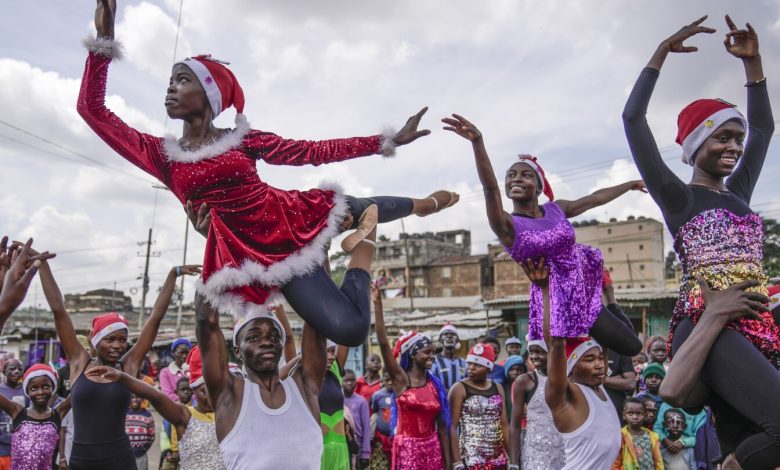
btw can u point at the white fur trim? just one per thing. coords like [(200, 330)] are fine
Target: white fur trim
[(106, 47), (576, 355), (450, 328), (197, 383), (207, 81), (232, 139), (116, 326), (696, 138), (535, 166), (537, 342), (39, 373), (298, 264), (254, 314), (388, 144), (480, 360)]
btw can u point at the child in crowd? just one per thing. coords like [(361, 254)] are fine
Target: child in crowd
[(651, 412), (676, 456), (658, 351), (514, 367), (371, 381), (640, 448), (169, 442), (381, 408), (139, 426), (361, 426), (691, 426), (639, 361), (653, 374), (12, 390)]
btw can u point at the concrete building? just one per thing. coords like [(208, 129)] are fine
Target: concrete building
[(459, 276), (99, 300), (508, 277)]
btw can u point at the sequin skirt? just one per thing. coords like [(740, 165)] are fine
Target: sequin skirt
[(417, 453)]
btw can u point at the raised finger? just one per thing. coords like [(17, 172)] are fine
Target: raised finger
[(24, 253), (202, 210), (540, 263), (451, 121), (30, 273), (750, 29), (4, 244), (730, 23), (738, 33), (689, 49), (704, 29), (699, 21), (420, 113), (422, 133), (461, 118)]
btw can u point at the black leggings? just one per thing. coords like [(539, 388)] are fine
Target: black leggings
[(342, 314), (614, 330), (742, 380)]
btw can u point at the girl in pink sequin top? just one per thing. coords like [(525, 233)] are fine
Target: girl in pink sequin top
[(262, 242), (536, 231)]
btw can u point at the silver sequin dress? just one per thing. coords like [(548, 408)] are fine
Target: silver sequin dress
[(543, 447), (199, 449)]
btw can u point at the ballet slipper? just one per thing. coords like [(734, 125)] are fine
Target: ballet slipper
[(366, 223), (453, 199)]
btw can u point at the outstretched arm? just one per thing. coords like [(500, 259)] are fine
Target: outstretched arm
[(500, 222), (175, 413), (10, 407), (218, 379), (397, 375), (599, 198), (135, 356)]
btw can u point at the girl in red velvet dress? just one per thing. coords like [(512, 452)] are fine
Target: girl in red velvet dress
[(262, 242)]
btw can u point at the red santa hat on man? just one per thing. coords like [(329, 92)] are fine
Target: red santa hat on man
[(482, 354), (221, 86), (576, 348), (39, 370), (408, 340), (104, 325), (699, 120), (195, 367), (544, 185)]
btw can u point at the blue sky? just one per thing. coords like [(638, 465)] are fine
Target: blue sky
[(547, 78)]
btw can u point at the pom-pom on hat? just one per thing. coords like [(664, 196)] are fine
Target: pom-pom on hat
[(254, 314), (104, 325), (699, 120), (774, 297), (39, 370), (532, 161), (406, 341), (195, 366), (221, 86), (654, 368), (482, 354), (448, 328), (575, 348)]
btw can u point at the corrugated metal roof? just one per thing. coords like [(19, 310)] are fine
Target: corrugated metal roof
[(624, 294)]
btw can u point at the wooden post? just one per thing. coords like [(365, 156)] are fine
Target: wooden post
[(644, 323)]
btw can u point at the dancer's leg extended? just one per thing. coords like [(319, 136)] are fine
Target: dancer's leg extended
[(613, 330), (393, 207)]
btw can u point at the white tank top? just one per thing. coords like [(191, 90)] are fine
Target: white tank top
[(265, 438), (596, 443)]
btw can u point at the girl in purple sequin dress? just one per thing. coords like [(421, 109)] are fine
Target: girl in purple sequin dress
[(534, 232), (35, 432)]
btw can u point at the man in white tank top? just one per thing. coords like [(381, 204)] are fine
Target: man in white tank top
[(582, 411), (262, 422)]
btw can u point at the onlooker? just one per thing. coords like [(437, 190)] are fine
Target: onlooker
[(139, 426), (640, 448), (381, 409), (651, 412), (497, 374), (514, 367), (658, 351), (676, 455), (447, 365), (687, 438), (170, 375), (371, 381), (513, 346), (169, 440), (639, 361), (13, 390), (653, 374), (358, 406), (620, 381)]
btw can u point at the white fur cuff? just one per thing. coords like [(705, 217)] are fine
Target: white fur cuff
[(106, 47), (388, 144)]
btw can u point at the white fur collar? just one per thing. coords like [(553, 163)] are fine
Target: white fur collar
[(230, 140)]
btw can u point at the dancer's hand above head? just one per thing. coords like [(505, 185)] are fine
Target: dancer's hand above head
[(201, 220), (105, 14), (734, 302), (538, 273), (22, 264), (409, 132), (108, 374), (741, 43), (674, 43), (188, 270), (638, 185), (463, 127)]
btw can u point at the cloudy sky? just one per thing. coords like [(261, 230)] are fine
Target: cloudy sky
[(548, 78)]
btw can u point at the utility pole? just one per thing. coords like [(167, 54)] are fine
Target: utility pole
[(630, 272), (145, 277), (409, 284), (181, 283)]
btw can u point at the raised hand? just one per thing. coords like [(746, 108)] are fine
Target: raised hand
[(201, 220), (105, 14), (741, 43), (674, 43), (107, 374), (638, 185), (734, 302), (461, 126), (23, 267), (5, 260), (189, 270), (409, 132), (538, 273)]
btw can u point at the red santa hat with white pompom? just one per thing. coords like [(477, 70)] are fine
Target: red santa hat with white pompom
[(699, 120), (221, 86)]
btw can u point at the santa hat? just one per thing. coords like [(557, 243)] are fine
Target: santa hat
[(195, 363), (545, 187), (406, 341), (774, 297), (536, 342), (513, 340), (39, 370), (254, 314), (482, 354), (448, 328), (221, 86), (104, 325), (699, 120), (234, 368), (575, 348)]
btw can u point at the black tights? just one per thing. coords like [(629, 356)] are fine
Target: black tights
[(743, 383), (614, 330), (342, 314)]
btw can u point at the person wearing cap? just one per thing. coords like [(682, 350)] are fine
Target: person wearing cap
[(420, 413), (213, 173), (195, 425), (513, 346), (447, 366), (35, 429), (479, 431), (262, 421), (653, 375), (99, 407), (170, 375), (717, 236), (534, 231)]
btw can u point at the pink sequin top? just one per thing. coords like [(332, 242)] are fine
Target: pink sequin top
[(575, 273), (260, 236)]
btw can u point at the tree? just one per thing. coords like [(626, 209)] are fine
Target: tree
[(338, 266), (771, 247)]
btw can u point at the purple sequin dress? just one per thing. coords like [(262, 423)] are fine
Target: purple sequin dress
[(33, 441), (576, 273)]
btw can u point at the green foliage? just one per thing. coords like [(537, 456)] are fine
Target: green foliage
[(771, 247)]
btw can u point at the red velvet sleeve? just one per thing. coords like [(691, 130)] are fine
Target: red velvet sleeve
[(142, 150), (278, 151)]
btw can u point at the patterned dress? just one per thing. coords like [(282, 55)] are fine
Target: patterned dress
[(34, 441), (543, 444), (198, 448), (416, 443), (481, 437)]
